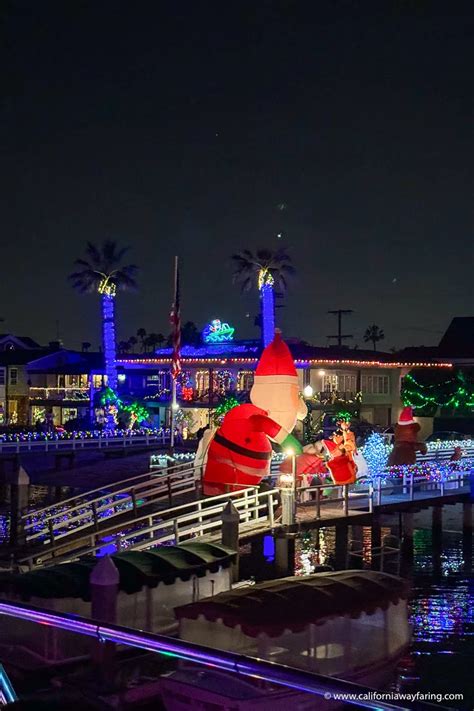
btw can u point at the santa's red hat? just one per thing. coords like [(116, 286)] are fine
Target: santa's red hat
[(406, 417), (276, 363)]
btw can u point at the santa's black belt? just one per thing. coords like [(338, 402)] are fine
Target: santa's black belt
[(240, 450)]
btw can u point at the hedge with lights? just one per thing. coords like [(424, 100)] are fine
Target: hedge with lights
[(426, 391)]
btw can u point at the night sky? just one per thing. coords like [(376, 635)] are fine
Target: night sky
[(201, 128)]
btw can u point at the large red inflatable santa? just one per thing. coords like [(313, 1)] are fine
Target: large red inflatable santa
[(240, 452)]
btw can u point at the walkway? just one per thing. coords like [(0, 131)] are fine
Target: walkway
[(260, 512)]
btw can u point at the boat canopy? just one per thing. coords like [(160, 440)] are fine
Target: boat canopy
[(294, 603), (137, 569)]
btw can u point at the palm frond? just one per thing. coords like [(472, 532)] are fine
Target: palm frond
[(103, 262), (93, 253)]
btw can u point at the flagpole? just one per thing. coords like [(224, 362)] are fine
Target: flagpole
[(174, 404)]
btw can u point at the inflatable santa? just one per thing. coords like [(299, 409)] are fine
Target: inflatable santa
[(406, 444), (334, 458), (240, 452)]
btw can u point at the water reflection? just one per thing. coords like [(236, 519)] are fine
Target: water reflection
[(441, 656)]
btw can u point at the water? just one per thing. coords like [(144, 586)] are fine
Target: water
[(440, 659)]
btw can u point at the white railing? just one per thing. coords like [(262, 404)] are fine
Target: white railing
[(176, 524), (83, 515), (101, 441), (67, 518), (377, 493)]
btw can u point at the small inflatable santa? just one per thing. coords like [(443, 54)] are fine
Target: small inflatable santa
[(406, 444), (239, 454)]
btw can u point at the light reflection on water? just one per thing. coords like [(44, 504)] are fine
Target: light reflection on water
[(441, 656)]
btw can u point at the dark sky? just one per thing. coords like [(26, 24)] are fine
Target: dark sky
[(181, 126)]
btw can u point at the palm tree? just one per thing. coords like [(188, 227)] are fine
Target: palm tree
[(133, 340), (160, 339), (373, 334), (190, 334), (151, 340), (102, 271), (269, 271), (141, 333), (124, 347)]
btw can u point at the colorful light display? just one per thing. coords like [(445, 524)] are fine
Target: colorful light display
[(268, 312), (299, 362), (375, 452), (109, 338), (223, 408), (453, 392), (218, 332)]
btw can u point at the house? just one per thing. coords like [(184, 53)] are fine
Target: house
[(15, 353), (63, 383), (9, 342), (340, 378)]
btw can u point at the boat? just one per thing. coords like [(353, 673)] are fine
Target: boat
[(352, 625)]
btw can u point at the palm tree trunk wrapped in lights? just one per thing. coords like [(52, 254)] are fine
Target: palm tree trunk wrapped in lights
[(269, 271), (101, 272), (109, 340), (265, 286)]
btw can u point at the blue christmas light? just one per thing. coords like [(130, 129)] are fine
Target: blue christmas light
[(109, 339), (376, 453), (268, 313)]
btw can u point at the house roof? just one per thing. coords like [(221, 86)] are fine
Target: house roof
[(458, 341), (137, 569), (293, 603), (66, 361), (26, 341), (20, 356)]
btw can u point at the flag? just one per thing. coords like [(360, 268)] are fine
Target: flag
[(175, 318)]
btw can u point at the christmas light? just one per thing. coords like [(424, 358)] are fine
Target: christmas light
[(428, 397), (265, 278), (109, 339), (107, 287), (268, 313), (218, 332), (223, 408), (299, 362), (375, 452)]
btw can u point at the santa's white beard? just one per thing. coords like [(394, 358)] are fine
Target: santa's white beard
[(281, 401)]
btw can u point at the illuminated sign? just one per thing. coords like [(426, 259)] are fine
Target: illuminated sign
[(218, 332)]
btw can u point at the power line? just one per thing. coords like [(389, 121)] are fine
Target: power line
[(341, 336)]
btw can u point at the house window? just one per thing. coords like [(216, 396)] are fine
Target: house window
[(68, 413), (346, 383), (13, 411), (97, 381), (76, 381), (330, 383), (2, 376), (245, 380), (13, 376), (376, 384)]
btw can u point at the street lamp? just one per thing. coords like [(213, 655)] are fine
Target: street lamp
[(307, 394), (288, 491)]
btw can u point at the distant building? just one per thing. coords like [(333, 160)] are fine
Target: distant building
[(9, 342), (15, 353), (65, 383)]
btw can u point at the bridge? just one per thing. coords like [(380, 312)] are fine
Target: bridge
[(166, 506)]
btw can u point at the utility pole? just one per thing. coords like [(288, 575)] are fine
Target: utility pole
[(341, 336)]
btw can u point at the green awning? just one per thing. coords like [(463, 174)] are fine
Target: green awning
[(137, 569)]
